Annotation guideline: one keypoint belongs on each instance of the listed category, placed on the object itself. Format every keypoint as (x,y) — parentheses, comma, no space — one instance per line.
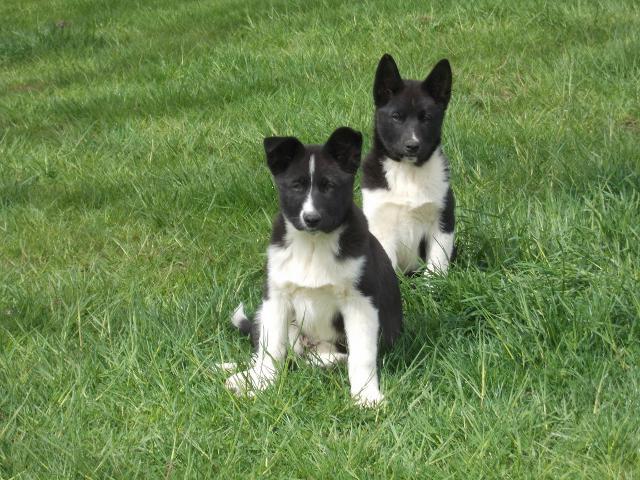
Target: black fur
(385,294)
(332,191)
(336,164)
(248,327)
(278,231)
(338,324)
(448,215)
(372,172)
(378,281)
(408,120)
(409,113)
(422,249)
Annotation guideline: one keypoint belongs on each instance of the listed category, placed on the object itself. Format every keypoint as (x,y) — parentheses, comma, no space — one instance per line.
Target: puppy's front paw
(369,398)
(225,366)
(239,383)
(435,268)
(250,381)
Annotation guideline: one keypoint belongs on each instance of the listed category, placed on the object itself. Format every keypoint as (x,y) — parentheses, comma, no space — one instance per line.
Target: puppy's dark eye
(326,185)
(396,116)
(299,185)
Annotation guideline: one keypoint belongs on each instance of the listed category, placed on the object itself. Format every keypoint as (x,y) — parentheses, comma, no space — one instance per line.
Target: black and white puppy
(405,184)
(331,291)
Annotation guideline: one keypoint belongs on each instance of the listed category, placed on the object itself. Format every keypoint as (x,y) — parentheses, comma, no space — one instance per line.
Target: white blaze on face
(414,137)
(307,206)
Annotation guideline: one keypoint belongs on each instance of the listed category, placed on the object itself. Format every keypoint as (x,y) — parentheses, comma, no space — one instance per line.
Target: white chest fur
(408,211)
(307,274)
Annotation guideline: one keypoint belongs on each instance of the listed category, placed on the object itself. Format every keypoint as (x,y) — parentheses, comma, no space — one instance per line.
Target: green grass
(135,210)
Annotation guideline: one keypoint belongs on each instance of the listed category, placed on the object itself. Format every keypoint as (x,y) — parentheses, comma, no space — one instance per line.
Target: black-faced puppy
(331,291)
(405,183)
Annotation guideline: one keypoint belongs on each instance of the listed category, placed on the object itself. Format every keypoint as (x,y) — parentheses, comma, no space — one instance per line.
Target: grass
(135,209)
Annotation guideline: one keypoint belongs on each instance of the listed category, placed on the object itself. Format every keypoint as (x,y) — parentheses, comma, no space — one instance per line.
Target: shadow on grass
(145,65)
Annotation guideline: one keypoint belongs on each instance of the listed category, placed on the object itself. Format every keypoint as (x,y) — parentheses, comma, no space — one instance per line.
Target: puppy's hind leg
(245,326)
(272,319)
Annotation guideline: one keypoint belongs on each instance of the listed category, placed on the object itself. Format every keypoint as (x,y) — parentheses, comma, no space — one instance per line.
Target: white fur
(307,206)
(238,315)
(409,210)
(226,366)
(308,286)
(361,327)
(439,251)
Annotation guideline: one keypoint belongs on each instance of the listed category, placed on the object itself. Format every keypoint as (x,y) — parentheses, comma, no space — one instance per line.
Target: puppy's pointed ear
(388,81)
(281,151)
(345,146)
(438,82)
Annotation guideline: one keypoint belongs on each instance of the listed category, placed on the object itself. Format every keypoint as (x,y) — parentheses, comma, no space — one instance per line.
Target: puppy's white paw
(434,269)
(369,398)
(226,366)
(250,381)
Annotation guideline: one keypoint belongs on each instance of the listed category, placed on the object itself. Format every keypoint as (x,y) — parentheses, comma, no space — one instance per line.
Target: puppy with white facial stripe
(406,193)
(331,290)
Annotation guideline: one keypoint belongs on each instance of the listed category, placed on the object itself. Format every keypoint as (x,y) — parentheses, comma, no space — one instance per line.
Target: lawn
(135,209)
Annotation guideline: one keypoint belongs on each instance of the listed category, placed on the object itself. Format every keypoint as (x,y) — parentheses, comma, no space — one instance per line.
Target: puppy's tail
(240,320)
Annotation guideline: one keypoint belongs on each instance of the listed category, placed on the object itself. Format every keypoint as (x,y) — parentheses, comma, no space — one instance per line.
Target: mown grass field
(135,210)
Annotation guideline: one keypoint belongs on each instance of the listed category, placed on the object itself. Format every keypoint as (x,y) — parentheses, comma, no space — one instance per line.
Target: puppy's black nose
(412,147)
(311,219)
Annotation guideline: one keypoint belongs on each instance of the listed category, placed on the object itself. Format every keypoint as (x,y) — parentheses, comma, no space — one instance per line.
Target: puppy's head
(409,113)
(315,182)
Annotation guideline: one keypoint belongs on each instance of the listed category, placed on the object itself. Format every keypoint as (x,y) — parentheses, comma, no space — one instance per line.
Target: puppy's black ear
(345,145)
(281,151)
(438,82)
(388,81)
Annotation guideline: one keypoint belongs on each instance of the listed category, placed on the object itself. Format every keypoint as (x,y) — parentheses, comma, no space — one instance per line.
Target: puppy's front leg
(361,327)
(383,225)
(439,251)
(388,240)
(273,317)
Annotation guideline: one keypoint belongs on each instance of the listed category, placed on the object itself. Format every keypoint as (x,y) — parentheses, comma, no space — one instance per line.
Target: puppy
(331,290)
(405,183)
